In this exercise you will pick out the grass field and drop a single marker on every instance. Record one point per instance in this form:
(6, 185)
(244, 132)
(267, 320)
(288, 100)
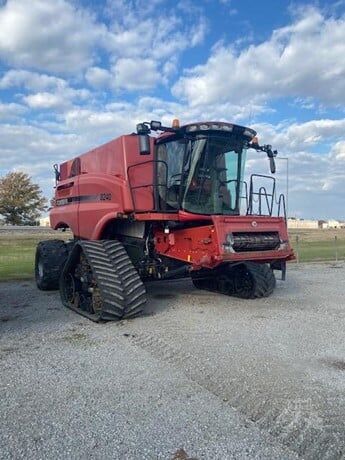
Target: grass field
(17, 251)
(316, 245)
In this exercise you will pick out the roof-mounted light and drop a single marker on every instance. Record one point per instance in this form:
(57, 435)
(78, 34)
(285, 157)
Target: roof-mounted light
(155, 125)
(249, 133)
(209, 126)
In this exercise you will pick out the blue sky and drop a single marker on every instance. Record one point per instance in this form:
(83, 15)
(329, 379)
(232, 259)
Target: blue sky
(74, 74)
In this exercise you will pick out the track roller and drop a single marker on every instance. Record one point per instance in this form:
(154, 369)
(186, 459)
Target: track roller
(100, 282)
(249, 280)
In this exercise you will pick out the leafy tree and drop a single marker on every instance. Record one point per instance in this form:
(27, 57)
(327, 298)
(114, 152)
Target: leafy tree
(21, 200)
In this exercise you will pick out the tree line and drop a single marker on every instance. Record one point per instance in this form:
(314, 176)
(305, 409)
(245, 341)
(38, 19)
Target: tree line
(21, 200)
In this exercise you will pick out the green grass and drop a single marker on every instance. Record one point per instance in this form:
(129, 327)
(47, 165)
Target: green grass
(17, 252)
(309, 251)
(17, 257)
(314, 245)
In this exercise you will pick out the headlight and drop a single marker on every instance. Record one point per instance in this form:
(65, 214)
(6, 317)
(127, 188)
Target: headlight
(229, 241)
(284, 246)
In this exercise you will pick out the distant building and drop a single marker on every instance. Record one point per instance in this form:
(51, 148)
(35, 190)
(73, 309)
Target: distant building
(44, 222)
(331, 224)
(303, 223)
(314, 224)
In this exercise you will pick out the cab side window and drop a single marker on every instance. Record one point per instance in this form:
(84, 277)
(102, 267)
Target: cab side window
(169, 170)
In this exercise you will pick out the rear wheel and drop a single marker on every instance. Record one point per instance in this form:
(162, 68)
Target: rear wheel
(252, 280)
(249, 280)
(49, 260)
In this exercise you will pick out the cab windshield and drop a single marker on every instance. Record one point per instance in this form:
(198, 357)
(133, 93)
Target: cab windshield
(202, 175)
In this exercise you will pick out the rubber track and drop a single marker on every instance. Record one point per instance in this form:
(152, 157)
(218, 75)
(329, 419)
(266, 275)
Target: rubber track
(121, 288)
(122, 291)
(133, 288)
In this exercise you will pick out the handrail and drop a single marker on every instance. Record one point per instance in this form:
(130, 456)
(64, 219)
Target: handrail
(270, 199)
(281, 200)
(152, 184)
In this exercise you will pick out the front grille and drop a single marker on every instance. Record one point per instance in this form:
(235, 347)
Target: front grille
(254, 241)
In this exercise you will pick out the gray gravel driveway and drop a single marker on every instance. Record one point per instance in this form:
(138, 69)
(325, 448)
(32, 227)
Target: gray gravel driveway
(218, 377)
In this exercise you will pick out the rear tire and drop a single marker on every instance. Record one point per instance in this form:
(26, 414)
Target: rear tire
(249, 280)
(253, 280)
(50, 258)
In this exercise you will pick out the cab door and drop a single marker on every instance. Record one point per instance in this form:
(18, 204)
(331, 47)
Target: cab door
(169, 157)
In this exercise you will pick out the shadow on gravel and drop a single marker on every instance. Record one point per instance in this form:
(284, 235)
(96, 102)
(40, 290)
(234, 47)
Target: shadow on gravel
(337, 364)
(6, 319)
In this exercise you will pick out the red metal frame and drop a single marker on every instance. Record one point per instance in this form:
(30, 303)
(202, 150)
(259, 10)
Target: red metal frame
(203, 246)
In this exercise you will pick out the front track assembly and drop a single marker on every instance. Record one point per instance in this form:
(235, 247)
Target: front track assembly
(249, 280)
(100, 282)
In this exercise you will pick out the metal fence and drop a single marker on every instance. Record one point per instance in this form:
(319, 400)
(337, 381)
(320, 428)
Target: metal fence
(312, 249)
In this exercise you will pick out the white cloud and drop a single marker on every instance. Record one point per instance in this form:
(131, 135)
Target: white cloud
(11, 111)
(292, 137)
(152, 29)
(35, 150)
(51, 92)
(135, 74)
(59, 100)
(338, 151)
(98, 77)
(130, 74)
(30, 80)
(149, 37)
(44, 101)
(304, 59)
(48, 35)
(57, 36)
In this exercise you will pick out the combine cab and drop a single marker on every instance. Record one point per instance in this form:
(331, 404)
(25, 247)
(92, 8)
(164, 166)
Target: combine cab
(145, 207)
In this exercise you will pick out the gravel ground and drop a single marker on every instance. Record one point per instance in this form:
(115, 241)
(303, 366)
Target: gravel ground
(220, 378)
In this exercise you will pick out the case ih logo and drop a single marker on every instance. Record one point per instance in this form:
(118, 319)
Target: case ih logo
(254, 223)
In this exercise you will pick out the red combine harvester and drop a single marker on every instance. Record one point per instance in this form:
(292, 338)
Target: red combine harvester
(154, 208)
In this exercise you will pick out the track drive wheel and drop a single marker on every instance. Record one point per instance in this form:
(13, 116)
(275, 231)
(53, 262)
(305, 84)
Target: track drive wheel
(50, 257)
(100, 282)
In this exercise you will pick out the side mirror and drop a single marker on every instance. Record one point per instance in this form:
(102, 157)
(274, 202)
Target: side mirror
(56, 172)
(272, 165)
(271, 155)
(144, 144)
